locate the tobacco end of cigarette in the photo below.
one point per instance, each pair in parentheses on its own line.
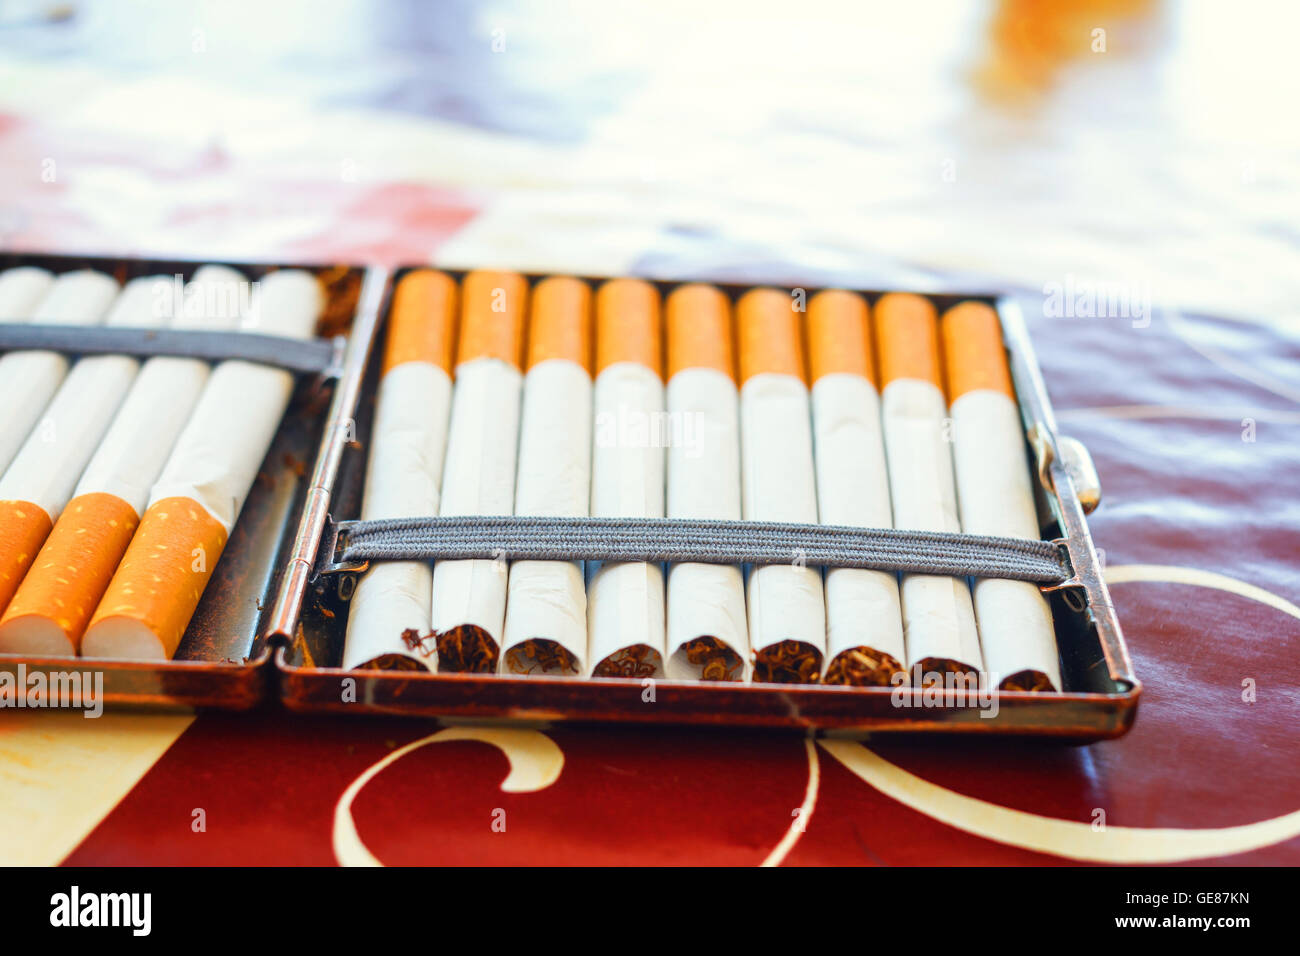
(767,328)
(862,667)
(974,356)
(541,656)
(420,656)
(560,324)
(151,598)
(637,661)
(713,659)
(24,526)
(839,338)
(907,337)
(467,649)
(788,662)
(699,330)
(930,670)
(422,320)
(492,317)
(391,662)
(1030,680)
(628,325)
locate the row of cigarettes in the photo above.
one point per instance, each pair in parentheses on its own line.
(495,399)
(122,480)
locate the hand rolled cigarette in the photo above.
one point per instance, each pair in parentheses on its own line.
(390,625)
(787,611)
(28,380)
(202,488)
(546,608)
(938,617)
(995,496)
(625,600)
(469,597)
(708,638)
(48,614)
(864,623)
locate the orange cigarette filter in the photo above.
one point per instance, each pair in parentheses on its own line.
(422,322)
(907,336)
(173,554)
(492,317)
(974,356)
(839,335)
(771,340)
(23,526)
(71,572)
(700,332)
(628,325)
(560,324)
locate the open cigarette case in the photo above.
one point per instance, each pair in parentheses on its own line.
(271,623)
(224,659)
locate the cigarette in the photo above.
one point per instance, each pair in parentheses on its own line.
(469,597)
(49,612)
(864,622)
(198,496)
(28,380)
(546,609)
(938,617)
(625,601)
(995,496)
(21,289)
(708,638)
(390,624)
(787,611)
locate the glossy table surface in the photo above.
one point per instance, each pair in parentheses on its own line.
(1138,187)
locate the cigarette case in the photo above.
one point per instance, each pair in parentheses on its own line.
(224,659)
(1100,693)
(269,629)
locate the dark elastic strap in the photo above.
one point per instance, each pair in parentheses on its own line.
(677,540)
(304,356)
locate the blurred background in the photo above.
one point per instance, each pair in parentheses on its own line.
(959,143)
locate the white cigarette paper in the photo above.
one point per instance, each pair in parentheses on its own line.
(21,289)
(47,467)
(547,599)
(220,451)
(785,602)
(164,392)
(1015,621)
(704,600)
(938,617)
(29,379)
(478,479)
(403,477)
(625,601)
(862,607)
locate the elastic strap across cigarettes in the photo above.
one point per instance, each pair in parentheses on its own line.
(302,356)
(675,541)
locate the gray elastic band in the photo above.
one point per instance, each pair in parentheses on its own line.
(676,540)
(307,356)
